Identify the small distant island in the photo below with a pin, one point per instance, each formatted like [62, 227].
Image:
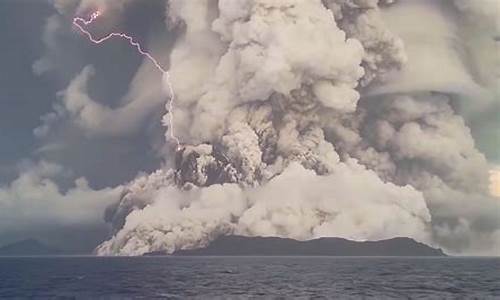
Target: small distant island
[28, 247]
[274, 246]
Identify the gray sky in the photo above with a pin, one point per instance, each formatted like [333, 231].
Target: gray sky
[23, 96]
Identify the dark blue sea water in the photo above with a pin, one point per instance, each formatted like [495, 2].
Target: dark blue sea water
[249, 277]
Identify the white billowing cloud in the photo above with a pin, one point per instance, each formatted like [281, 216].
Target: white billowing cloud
[270, 48]
[297, 204]
[362, 20]
[434, 49]
[302, 205]
[193, 59]
[177, 220]
[420, 140]
[34, 200]
[481, 31]
[464, 223]
[456, 51]
[484, 13]
[96, 119]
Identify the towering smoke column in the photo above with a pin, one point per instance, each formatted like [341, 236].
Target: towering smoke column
[277, 140]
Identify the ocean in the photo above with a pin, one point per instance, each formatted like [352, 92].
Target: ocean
[249, 278]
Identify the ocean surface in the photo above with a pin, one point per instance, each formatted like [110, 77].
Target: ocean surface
[249, 277]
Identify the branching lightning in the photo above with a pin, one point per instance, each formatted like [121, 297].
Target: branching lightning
[81, 24]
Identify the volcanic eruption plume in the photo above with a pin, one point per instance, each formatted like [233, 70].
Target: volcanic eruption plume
[307, 119]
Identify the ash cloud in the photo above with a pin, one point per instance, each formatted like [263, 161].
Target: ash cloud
[307, 119]
[35, 205]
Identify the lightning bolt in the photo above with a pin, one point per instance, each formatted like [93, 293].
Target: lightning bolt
[81, 24]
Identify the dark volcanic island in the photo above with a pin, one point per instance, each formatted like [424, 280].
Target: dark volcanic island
[273, 246]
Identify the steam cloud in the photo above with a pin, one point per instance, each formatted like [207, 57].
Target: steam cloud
[307, 119]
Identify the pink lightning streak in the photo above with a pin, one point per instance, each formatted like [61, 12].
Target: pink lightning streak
[81, 23]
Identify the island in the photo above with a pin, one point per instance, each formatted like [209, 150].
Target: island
[331, 246]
